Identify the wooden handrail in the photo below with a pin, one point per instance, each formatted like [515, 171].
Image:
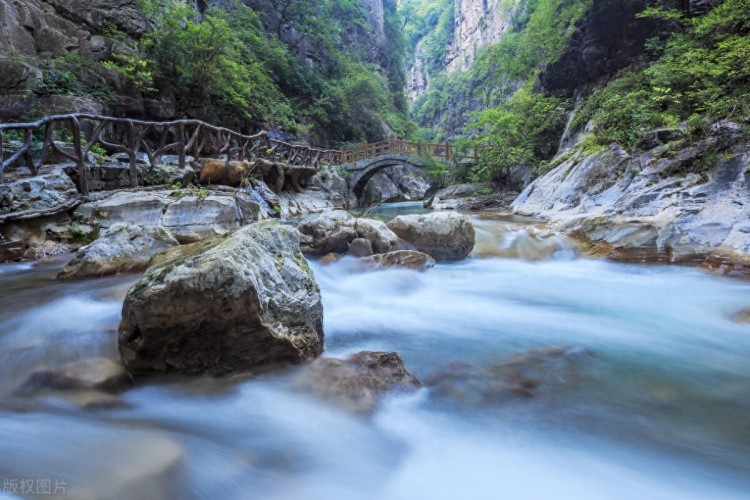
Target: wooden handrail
[187, 135]
[196, 137]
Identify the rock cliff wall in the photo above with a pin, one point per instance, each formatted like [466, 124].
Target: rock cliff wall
[478, 23]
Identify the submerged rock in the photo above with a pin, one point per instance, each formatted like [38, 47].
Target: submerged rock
[356, 383]
[248, 300]
[408, 259]
[527, 375]
[443, 235]
[122, 248]
[330, 258]
[99, 374]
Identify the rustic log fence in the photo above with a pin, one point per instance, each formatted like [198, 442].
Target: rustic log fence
[183, 137]
[154, 139]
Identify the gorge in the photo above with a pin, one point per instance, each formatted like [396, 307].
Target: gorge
[375, 249]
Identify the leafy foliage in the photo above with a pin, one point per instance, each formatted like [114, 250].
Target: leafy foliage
[521, 131]
[702, 71]
[248, 63]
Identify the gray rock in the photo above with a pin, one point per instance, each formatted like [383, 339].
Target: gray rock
[249, 300]
[327, 232]
[470, 197]
[406, 183]
[383, 239]
[122, 248]
[333, 232]
[358, 382]
[443, 235]
[407, 259]
[52, 191]
[187, 216]
[360, 247]
[192, 219]
[89, 374]
[649, 207]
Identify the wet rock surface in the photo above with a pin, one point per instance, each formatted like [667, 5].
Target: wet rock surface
[406, 259]
[334, 231]
[356, 383]
[529, 375]
[657, 206]
[442, 235]
[90, 374]
[247, 301]
[122, 248]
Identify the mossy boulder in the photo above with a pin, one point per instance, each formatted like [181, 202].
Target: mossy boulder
[246, 301]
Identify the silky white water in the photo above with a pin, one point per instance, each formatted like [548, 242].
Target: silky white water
[656, 404]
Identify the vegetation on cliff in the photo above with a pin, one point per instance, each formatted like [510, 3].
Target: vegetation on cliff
[231, 62]
[696, 74]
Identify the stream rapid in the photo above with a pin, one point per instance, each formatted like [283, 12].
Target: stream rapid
[650, 397]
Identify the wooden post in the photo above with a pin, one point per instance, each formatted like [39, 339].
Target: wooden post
[181, 135]
[196, 144]
[448, 151]
[365, 154]
[131, 155]
[83, 177]
[27, 155]
[2, 154]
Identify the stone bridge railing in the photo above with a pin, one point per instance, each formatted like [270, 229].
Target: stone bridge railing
[134, 137]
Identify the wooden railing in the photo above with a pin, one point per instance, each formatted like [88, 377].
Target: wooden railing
[133, 137]
[444, 151]
[183, 137]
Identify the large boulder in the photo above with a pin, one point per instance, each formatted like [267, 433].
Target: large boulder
[443, 235]
[358, 382]
[248, 300]
[403, 183]
[122, 248]
[470, 197]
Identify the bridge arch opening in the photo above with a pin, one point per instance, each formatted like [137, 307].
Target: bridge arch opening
[365, 170]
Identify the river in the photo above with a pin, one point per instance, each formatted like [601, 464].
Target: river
[651, 398]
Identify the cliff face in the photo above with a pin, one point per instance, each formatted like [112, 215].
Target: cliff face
[478, 23]
[34, 30]
[609, 39]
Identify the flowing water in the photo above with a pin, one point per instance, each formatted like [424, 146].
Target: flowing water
[646, 394]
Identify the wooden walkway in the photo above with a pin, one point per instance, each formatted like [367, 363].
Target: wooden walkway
[181, 138]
